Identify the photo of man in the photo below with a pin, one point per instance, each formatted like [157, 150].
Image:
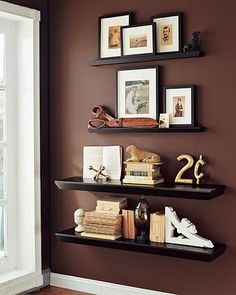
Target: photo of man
[178, 106]
[166, 37]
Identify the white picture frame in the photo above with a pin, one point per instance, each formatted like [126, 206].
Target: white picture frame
[110, 34]
[179, 102]
[168, 32]
[138, 39]
[138, 93]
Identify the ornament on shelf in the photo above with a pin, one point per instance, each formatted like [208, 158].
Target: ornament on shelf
[99, 172]
[142, 220]
[194, 45]
[190, 163]
[198, 175]
[187, 231]
[142, 167]
[79, 219]
[138, 155]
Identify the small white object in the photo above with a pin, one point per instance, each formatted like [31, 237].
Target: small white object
[79, 218]
[164, 121]
[186, 229]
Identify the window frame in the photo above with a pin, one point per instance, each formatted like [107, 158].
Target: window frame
[27, 273]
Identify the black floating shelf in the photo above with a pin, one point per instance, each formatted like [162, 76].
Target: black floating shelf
[166, 189]
[166, 249]
[144, 58]
[145, 130]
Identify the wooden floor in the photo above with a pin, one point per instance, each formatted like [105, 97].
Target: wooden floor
[57, 291]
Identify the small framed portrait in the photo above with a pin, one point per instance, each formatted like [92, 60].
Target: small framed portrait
[168, 32]
[179, 103]
[138, 39]
[164, 120]
[138, 93]
[110, 34]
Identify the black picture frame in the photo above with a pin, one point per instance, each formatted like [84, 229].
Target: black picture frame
[109, 16]
[157, 83]
[192, 100]
[180, 20]
[138, 26]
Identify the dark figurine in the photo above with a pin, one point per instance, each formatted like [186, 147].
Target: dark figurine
[194, 45]
[142, 220]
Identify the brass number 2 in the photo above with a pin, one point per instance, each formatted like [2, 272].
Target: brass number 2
[185, 168]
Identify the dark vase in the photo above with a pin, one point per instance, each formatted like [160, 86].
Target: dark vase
[142, 220]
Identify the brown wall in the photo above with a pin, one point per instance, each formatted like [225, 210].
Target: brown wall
[42, 6]
[77, 87]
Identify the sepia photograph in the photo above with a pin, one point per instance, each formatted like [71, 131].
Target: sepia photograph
[166, 37]
[138, 41]
[168, 32]
[137, 97]
[179, 104]
[164, 120]
[137, 93]
[110, 33]
[114, 37]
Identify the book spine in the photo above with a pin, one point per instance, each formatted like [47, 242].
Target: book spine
[125, 224]
[131, 224]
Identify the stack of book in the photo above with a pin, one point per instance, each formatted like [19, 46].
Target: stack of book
[143, 173]
[128, 224]
[106, 221]
[157, 227]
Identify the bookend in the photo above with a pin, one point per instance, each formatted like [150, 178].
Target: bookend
[186, 230]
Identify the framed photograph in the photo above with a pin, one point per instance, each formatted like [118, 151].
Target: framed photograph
[138, 39]
[168, 32]
[137, 93]
[179, 103]
[110, 34]
[164, 120]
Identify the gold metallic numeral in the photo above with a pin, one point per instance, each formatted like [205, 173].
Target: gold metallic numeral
[190, 163]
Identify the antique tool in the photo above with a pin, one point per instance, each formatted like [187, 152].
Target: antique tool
[99, 172]
[102, 118]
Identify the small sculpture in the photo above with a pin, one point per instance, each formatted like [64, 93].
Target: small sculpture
[194, 45]
[189, 165]
[138, 155]
[187, 231]
[142, 220]
[198, 175]
[78, 219]
[99, 172]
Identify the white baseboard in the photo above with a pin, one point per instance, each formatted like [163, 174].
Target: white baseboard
[19, 281]
[97, 287]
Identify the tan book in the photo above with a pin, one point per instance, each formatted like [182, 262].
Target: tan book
[125, 226]
[143, 173]
[143, 177]
[142, 166]
[131, 225]
[157, 227]
[141, 181]
[111, 205]
[99, 236]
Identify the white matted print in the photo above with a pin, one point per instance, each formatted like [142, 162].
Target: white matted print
[168, 33]
[137, 93]
[179, 103]
[138, 39]
[110, 34]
